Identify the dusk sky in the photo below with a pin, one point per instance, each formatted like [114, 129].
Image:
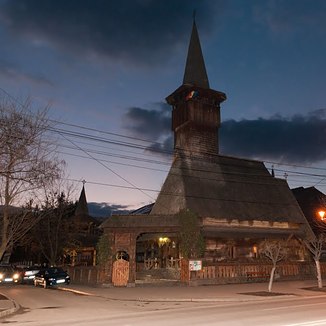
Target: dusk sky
[106, 67]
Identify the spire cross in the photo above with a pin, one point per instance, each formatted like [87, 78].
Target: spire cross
[84, 181]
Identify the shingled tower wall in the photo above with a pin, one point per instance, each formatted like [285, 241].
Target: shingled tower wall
[196, 107]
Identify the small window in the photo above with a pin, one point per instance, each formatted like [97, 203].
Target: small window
[122, 255]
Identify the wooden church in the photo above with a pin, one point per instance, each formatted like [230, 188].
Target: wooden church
[237, 201]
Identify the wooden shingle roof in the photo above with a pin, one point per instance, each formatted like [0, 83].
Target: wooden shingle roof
[227, 188]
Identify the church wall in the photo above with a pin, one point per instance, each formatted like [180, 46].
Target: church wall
[201, 141]
[196, 123]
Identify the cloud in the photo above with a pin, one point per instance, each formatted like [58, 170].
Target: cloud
[299, 139]
[103, 210]
[134, 31]
[11, 71]
[296, 139]
[162, 148]
[150, 124]
[291, 16]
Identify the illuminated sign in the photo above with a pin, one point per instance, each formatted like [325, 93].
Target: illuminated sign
[195, 265]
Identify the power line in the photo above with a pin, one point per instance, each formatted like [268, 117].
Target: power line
[133, 145]
[111, 170]
[93, 138]
[268, 203]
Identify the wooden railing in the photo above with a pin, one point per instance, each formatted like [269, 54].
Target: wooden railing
[151, 263]
[173, 263]
[154, 263]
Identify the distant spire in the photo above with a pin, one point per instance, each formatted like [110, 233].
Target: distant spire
[82, 208]
[195, 71]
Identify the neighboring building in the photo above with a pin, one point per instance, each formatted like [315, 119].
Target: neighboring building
[84, 232]
[238, 202]
[313, 204]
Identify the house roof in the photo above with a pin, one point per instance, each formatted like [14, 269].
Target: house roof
[311, 200]
[229, 188]
[142, 210]
[145, 223]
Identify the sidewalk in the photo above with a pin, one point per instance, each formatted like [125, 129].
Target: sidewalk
[7, 306]
[212, 293]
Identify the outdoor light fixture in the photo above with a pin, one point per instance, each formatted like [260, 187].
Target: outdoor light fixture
[163, 240]
[322, 214]
[255, 249]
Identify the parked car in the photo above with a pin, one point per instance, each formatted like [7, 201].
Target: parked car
[51, 277]
[9, 274]
[29, 274]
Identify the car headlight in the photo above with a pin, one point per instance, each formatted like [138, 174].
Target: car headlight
[15, 276]
[51, 279]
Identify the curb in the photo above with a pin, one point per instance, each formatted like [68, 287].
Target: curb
[247, 299]
[10, 311]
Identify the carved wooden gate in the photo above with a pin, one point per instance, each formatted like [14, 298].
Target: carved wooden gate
[120, 273]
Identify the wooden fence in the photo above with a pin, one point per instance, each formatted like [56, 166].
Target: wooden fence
[91, 275]
[238, 273]
[216, 274]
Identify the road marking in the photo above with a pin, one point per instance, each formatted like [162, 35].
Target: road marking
[296, 306]
[307, 323]
[76, 291]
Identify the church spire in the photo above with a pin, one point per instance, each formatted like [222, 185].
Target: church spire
[195, 71]
[82, 208]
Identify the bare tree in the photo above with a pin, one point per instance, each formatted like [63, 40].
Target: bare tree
[315, 245]
[316, 242]
[275, 250]
[52, 231]
[27, 161]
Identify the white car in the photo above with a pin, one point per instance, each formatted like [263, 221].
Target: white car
[30, 273]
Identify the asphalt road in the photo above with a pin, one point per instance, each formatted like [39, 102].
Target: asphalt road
[54, 307]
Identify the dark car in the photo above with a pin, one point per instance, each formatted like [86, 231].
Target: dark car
[51, 277]
[29, 274]
[9, 274]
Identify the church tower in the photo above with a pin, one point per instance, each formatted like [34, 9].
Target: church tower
[196, 107]
[82, 209]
